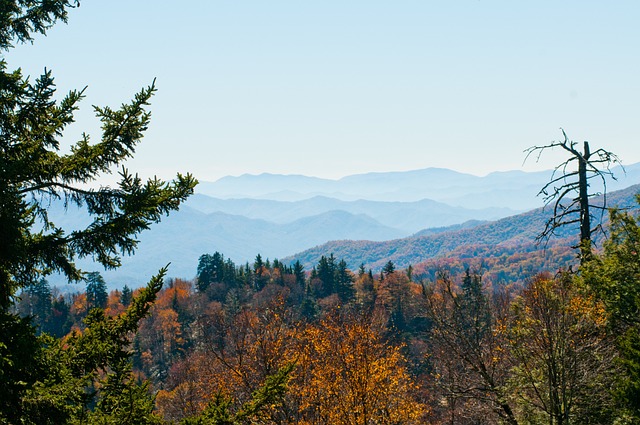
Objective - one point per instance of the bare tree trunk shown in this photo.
(585, 216)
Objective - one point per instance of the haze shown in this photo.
(335, 88)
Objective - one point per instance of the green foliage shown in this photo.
(36, 302)
(96, 291)
(33, 173)
(21, 364)
(87, 378)
(126, 295)
(20, 19)
(564, 367)
(614, 277)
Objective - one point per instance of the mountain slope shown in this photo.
(182, 237)
(519, 230)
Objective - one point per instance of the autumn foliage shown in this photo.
(271, 343)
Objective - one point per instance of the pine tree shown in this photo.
(44, 381)
(344, 282)
(36, 303)
(298, 272)
(34, 173)
(613, 277)
(327, 275)
(126, 295)
(97, 295)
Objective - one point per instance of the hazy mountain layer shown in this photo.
(407, 217)
(184, 236)
(516, 190)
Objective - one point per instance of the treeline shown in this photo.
(335, 346)
(56, 314)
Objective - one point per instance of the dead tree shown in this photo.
(568, 189)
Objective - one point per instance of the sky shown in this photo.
(338, 87)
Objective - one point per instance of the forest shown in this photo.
(448, 342)
(335, 346)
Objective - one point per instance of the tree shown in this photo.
(96, 291)
(613, 277)
(125, 296)
(59, 323)
(388, 268)
(36, 301)
(298, 272)
(86, 378)
(239, 355)
(564, 361)
(211, 269)
(347, 374)
(468, 342)
(46, 381)
(264, 399)
(344, 282)
(33, 172)
(327, 275)
(566, 182)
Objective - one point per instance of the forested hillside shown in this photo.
(492, 239)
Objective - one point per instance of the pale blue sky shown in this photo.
(331, 88)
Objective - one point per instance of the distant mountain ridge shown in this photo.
(406, 217)
(516, 190)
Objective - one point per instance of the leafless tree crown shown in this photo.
(568, 189)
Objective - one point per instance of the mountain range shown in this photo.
(404, 231)
(516, 190)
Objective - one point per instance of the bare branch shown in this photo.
(566, 181)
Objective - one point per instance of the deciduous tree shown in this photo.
(564, 361)
(346, 374)
(468, 342)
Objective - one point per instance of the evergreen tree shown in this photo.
(361, 270)
(43, 380)
(210, 269)
(298, 272)
(59, 322)
(203, 275)
(36, 303)
(258, 264)
(344, 282)
(327, 275)
(97, 294)
(259, 268)
(388, 268)
(614, 278)
(33, 171)
(230, 274)
(126, 295)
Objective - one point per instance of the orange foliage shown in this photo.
(114, 306)
(346, 374)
